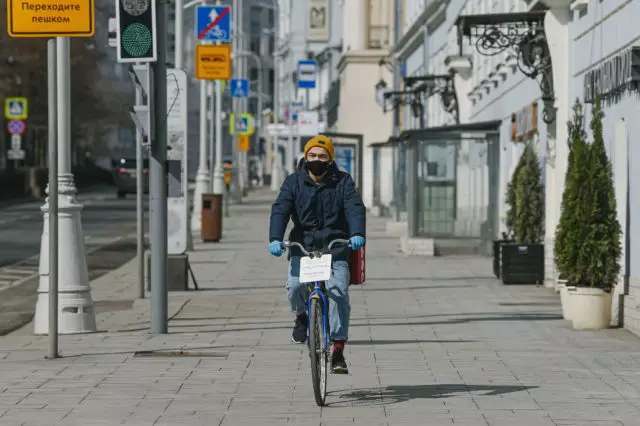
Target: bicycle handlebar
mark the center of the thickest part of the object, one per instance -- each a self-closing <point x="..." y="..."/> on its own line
<point x="288" y="244"/>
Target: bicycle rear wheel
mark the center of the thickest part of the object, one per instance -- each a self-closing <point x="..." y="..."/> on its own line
<point x="318" y="352"/>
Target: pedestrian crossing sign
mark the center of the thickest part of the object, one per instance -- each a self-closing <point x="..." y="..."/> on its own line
<point x="16" y="108"/>
<point x="239" y="88"/>
<point x="240" y="124"/>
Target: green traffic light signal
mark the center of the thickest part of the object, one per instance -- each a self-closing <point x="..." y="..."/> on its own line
<point x="136" y="30"/>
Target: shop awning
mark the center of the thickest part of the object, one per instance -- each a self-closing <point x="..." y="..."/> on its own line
<point x="386" y="144"/>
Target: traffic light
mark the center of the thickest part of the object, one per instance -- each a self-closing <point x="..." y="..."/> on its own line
<point x="136" y="31"/>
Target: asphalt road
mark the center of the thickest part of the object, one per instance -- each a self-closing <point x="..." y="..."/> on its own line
<point x="108" y="225"/>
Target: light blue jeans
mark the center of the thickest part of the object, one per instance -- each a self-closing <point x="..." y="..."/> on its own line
<point x="337" y="290"/>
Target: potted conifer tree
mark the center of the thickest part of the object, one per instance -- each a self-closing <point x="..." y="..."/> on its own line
<point x="593" y="237"/>
<point x="564" y="254"/>
<point x="523" y="261"/>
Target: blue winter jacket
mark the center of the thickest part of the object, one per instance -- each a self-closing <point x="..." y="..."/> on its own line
<point x="320" y="212"/>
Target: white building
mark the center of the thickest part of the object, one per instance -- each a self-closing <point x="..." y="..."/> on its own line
<point x="368" y="28"/>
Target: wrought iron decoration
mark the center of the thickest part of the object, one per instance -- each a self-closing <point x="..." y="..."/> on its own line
<point x="394" y="99"/>
<point x="437" y="84"/>
<point x="522" y="32"/>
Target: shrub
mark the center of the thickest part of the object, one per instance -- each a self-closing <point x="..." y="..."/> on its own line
<point x="564" y="252"/>
<point x="529" y="220"/>
<point x="598" y="246"/>
<point x="511" y="198"/>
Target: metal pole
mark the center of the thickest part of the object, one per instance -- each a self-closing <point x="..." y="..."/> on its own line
<point x="243" y="102"/>
<point x="275" y="140"/>
<point x="218" y="174"/>
<point x="235" y="190"/>
<point x="139" y="202"/>
<point x="53" y="199"/>
<point x="398" y="6"/>
<point x="158" y="181"/>
<point x="179" y="40"/>
<point x="212" y="122"/>
<point x="290" y="154"/>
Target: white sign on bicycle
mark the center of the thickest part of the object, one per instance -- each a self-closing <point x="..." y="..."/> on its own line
<point x="316" y="269"/>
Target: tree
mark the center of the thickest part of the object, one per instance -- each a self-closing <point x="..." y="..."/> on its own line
<point x="511" y="198"/>
<point x="529" y="220"/>
<point x="599" y="248"/>
<point x="565" y="252"/>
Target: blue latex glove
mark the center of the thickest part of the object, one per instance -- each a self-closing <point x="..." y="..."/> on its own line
<point x="356" y="242"/>
<point x="276" y="248"/>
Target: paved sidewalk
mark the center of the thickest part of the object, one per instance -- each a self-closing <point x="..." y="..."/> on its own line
<point x="434" y="341"/>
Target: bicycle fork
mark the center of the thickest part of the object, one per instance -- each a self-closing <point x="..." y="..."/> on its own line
<point x="319" y="295"/>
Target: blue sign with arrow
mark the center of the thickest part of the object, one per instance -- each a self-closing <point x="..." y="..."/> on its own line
<point x="213" y="23"/>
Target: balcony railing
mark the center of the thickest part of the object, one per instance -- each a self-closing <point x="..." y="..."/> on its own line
<point x="378" y="37"/>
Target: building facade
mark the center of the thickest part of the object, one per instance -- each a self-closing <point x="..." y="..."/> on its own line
<point x="368" y="27"/>
<point x="605" y="61"/>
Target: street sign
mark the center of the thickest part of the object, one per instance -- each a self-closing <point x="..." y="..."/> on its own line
<point x="16" y="108"/>
<point x="213" y="62"/>
<point x="213" y="23"/>
<point x="239" y="88"/>
<point x="16" y="142"/>
<point x="71" y="18"/>
<point x="240" y="124"/>
<point x="243" y="143"/>
<point x="307" y="122"/>
<point x="307" y="71"/>
<point x="15" y="154"/>
<point x="16" y="127"/>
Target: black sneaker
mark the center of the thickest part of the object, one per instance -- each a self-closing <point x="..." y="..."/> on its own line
<point x="299" y="334"/>
<point x="338" y="364"/>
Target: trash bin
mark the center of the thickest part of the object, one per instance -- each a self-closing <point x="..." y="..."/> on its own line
<point x="211" y="230"/>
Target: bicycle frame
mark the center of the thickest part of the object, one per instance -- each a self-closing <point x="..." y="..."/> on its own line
<point x="319" y="292"/>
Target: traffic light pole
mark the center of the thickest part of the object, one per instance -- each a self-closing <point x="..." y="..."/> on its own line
<point x="158" y="182"/>
<point x="139" y="204"/>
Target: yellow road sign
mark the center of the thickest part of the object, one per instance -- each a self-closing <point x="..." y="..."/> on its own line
<point x="16" y="108"/>
<point x="46" y="18"/>
<point x="213" y="62"/>
<point x="243" y="143"/>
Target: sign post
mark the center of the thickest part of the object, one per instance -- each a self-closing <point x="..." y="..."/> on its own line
<point x="47" y="19"/>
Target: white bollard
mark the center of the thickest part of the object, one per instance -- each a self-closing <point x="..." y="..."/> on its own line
<point x="75" y="306"/>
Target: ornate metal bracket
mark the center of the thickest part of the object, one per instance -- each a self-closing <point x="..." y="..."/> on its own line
<point x="524" y="34"/>
<point x="394" y="99"/>
<point x="437" y="84"/>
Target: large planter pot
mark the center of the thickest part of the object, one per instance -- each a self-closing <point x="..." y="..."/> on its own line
<point x="591" y="308"/>
<point x="568" y="305"/>
<point x="497" y="249"/>
<point x="522" y="263"/>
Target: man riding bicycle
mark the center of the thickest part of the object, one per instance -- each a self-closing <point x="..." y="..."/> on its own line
<point x="323" y="204"/>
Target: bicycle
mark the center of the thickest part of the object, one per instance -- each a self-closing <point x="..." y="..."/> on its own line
<point x="315" y="269"/>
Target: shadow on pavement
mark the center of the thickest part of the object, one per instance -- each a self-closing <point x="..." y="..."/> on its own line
<point x="220" y="328"/>
<point x="429" y="278"/>
<point x="403" y="342"/>
<point x="426" y="287"/>
<point x="402" y="393"/>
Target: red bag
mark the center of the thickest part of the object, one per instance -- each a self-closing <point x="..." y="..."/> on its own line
<point x="358" y="264"/>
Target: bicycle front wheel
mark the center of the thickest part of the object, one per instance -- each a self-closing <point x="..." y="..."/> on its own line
<point x="318" y="351"/>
